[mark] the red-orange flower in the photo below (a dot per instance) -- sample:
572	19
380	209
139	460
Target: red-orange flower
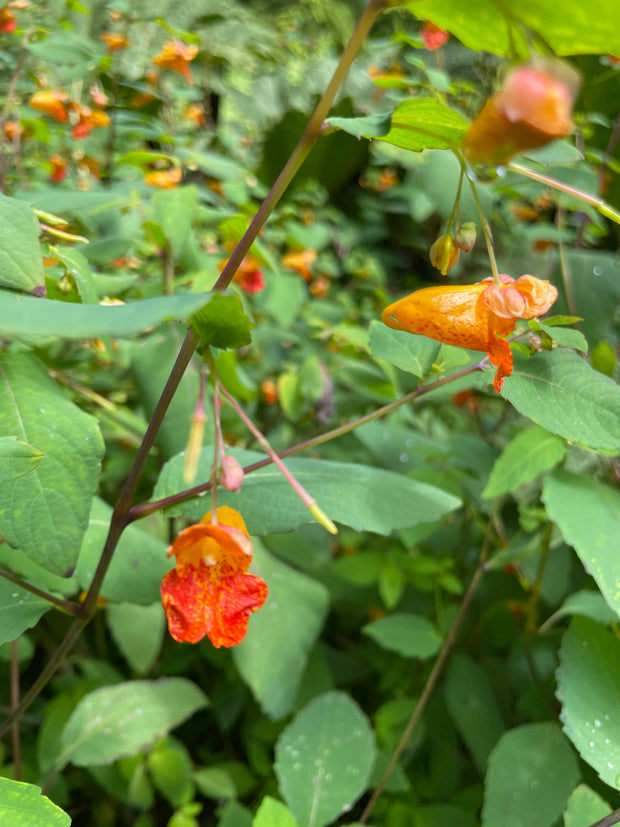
87	119
115	42
8	23
476	316
533	107
177	57
249	275
209	592
59	168
51	102
432	36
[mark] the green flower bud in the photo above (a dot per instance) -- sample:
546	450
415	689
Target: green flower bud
444	253
465	237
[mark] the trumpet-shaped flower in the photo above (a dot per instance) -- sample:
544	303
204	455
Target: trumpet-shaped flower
533	107
51	102
209	592
176	56
477	316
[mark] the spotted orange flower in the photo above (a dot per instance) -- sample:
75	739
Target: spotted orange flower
533	107
176	56
209	592
476	316
51	102
432	36
115	42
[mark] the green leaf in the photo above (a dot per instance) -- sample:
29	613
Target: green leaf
22	805
124	719
409	352
588	689
412	636
371	126
595	287
585	807
563	336
141	158
372	499
532	771
45	512
425	123
562	393
19	610
281	634
21	262
175	211
138	632
42	318
324	759
272	813
16	458
222	322
473	708
138	565
483	26
586	603
214	782
587	513
77	266
529	454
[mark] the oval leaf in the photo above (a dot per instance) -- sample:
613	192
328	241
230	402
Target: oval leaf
529	454
21	262
22	805
425	123
410	635
19	610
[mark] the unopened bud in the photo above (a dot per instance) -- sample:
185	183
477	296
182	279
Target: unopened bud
465	237
444	253
232	474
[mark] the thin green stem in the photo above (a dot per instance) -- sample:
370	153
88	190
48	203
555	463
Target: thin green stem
486	230
138	512
431	682
593	200
457	200
67	606
306	142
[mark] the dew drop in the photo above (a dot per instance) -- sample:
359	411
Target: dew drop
403	457
591	744
597	271
597	723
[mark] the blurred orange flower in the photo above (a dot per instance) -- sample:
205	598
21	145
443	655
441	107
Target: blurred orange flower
115	42
13	130
87	119
176	56
476	316
209	592
534	106
51	102
59	168
195	112
301	262
167	179
8	23
249	275
432	36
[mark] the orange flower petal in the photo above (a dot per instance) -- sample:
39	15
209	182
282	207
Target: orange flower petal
51	102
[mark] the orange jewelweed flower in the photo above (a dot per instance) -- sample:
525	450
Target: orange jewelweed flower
249	275
51	102
476	316
59	168
301	262
534	106
87	119
115	42
166	179
209	592
8	23
176	56
432	36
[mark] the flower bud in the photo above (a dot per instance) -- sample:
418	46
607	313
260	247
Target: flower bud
465	237
232	474
444	253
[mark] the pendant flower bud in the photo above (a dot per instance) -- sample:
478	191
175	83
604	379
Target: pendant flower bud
209	592
477	316
444	253
465	237
232	474
534	106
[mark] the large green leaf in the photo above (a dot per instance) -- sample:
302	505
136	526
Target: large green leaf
412	636
425	123
409	352
21	262
138	632
45	512
22	805
473	708
486	25
595	290
585	807
587	513
19	610
589	690
175	211
281	634
561	392
273	813
138	565
17	458
124	719
371	500
532	771
324	758
529	454
42	318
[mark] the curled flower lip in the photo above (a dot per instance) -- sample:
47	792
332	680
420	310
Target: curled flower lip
209	592
477	316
